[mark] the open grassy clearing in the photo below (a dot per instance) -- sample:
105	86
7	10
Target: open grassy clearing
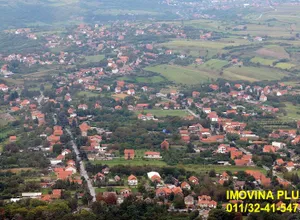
93	59
215	64
262	61
273	52
218	168
199	44
87	94
119	96
180	74
253	73
198	168
285	65
163	113
141	79
279	30
115	188
203	73
291	111
292	83
124	12
17	170
135	162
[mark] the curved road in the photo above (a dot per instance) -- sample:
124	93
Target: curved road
82	167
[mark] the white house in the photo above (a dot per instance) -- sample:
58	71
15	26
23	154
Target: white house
132	180
280	145
65	152
71	168
222	149
131	92
32	195
152	155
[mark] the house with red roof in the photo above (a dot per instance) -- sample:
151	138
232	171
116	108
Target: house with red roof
206	202
214	87
189	201
129	154
132	180
64	175
194	180
290	166
213	116
56	194
3	87
84	127
222	149
185	185
152	155
269	149
296	140
165	145
12	139
279	162
83	107
235	154
71	163
195	94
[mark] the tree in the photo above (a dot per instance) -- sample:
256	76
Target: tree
212	173
178	202
57	149
218	214
111	199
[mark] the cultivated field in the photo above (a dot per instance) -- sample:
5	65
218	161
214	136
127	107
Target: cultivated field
163	113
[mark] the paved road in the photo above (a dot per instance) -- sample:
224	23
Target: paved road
40	98
192	113
82	167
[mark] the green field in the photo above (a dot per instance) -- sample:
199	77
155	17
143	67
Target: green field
115	188
180	74
87	94
284	65
163	113
135	162
253	74
202	74
124	12
262	61
93	59
215	64
291	111
198	168
142	79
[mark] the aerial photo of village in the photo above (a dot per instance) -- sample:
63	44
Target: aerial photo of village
148	109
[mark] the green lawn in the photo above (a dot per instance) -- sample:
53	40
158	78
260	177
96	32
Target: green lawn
183	44
116	188
253	73
284	65
263	61
218	168
190	167
93	59
163	113
197	74
88	94
215	64
181	74
135	162
142	79
291	111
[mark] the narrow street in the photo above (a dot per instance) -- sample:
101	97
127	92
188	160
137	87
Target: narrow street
82	167
192	113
